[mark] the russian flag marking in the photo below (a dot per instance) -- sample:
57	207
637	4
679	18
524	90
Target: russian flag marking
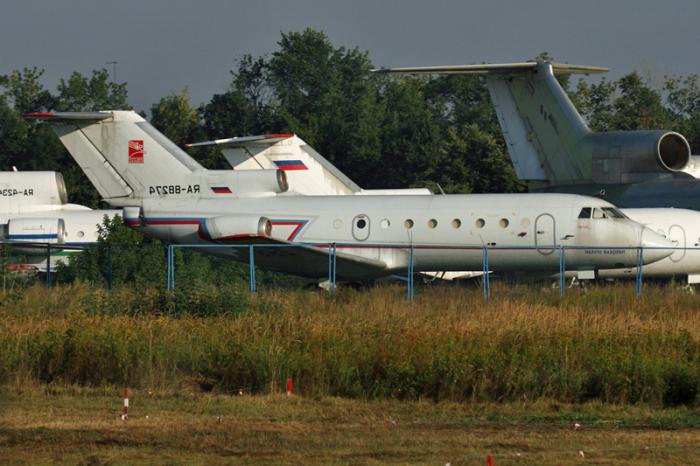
287	165
221	189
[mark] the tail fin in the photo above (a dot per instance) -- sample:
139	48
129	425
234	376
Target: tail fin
121	153
542	128
308	172
548	139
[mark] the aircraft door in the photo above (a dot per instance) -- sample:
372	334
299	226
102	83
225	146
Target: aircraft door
360	227
676	234
545	233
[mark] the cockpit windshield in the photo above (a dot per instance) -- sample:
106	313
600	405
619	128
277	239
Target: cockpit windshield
601	212
613	212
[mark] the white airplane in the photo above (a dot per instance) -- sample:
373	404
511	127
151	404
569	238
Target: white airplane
34	209
544	150
167	194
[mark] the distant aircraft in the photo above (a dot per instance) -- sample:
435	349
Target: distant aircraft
34	210
551	146
167	194
554	150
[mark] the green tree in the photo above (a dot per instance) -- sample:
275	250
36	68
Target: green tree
82	94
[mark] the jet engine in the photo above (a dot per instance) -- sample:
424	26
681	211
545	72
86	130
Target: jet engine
247	183
238	226
22	190
631	156
34	230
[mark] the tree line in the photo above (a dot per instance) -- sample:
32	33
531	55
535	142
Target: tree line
382	131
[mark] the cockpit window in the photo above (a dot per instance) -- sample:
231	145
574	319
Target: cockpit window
614	213
585	213
598	213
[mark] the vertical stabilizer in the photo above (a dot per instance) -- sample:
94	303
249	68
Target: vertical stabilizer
123	155
547	138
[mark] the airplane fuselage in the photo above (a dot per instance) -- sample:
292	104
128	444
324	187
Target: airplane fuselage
441	232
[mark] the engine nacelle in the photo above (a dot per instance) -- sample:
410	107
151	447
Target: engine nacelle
238	226
630	156
36	230
19	191
246	183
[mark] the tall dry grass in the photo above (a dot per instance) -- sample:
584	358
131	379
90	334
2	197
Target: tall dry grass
523	344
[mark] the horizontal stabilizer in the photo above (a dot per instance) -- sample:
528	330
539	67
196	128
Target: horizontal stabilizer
494	68
67	116
243	140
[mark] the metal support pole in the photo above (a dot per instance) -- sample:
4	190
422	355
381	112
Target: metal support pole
562	271
486	280
109	262
48	265
640	273
335	267
171	268
410	273
252	268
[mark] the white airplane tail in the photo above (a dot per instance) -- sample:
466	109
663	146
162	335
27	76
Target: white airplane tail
307	171
122	154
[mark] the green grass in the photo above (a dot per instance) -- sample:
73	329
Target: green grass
601	345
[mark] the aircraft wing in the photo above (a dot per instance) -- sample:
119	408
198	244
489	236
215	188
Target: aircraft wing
304	260
494	68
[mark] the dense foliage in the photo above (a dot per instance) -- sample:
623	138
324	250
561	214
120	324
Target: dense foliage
383	131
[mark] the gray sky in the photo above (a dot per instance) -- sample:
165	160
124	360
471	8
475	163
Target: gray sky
166	45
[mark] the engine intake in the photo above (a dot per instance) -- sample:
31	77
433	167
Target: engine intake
674	152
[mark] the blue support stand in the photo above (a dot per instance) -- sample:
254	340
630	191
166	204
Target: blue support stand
562	271
48	265
252	267
171	268
486	279
640	273
331	267
410	274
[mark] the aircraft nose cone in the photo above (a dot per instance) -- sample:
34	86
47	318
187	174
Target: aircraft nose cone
656	247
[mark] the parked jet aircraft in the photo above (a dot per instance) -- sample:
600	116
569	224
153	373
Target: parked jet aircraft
550	144
553	148
167	194
34	209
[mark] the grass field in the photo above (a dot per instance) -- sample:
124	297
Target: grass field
48	425
377	380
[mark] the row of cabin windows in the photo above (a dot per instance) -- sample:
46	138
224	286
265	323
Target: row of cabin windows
361	223
600	212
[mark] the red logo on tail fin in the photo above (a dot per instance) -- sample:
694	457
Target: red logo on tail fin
135	151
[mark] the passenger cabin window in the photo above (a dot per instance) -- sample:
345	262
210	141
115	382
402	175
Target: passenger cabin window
585	213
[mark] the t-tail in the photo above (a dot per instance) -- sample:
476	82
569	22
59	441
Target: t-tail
129	161
548	140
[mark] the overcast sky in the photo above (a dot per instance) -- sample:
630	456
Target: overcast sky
167	45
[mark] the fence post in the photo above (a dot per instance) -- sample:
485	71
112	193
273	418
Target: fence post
48	265
171	267
109	271
335	267
562	271
640	265
252	268
409	280
486	279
